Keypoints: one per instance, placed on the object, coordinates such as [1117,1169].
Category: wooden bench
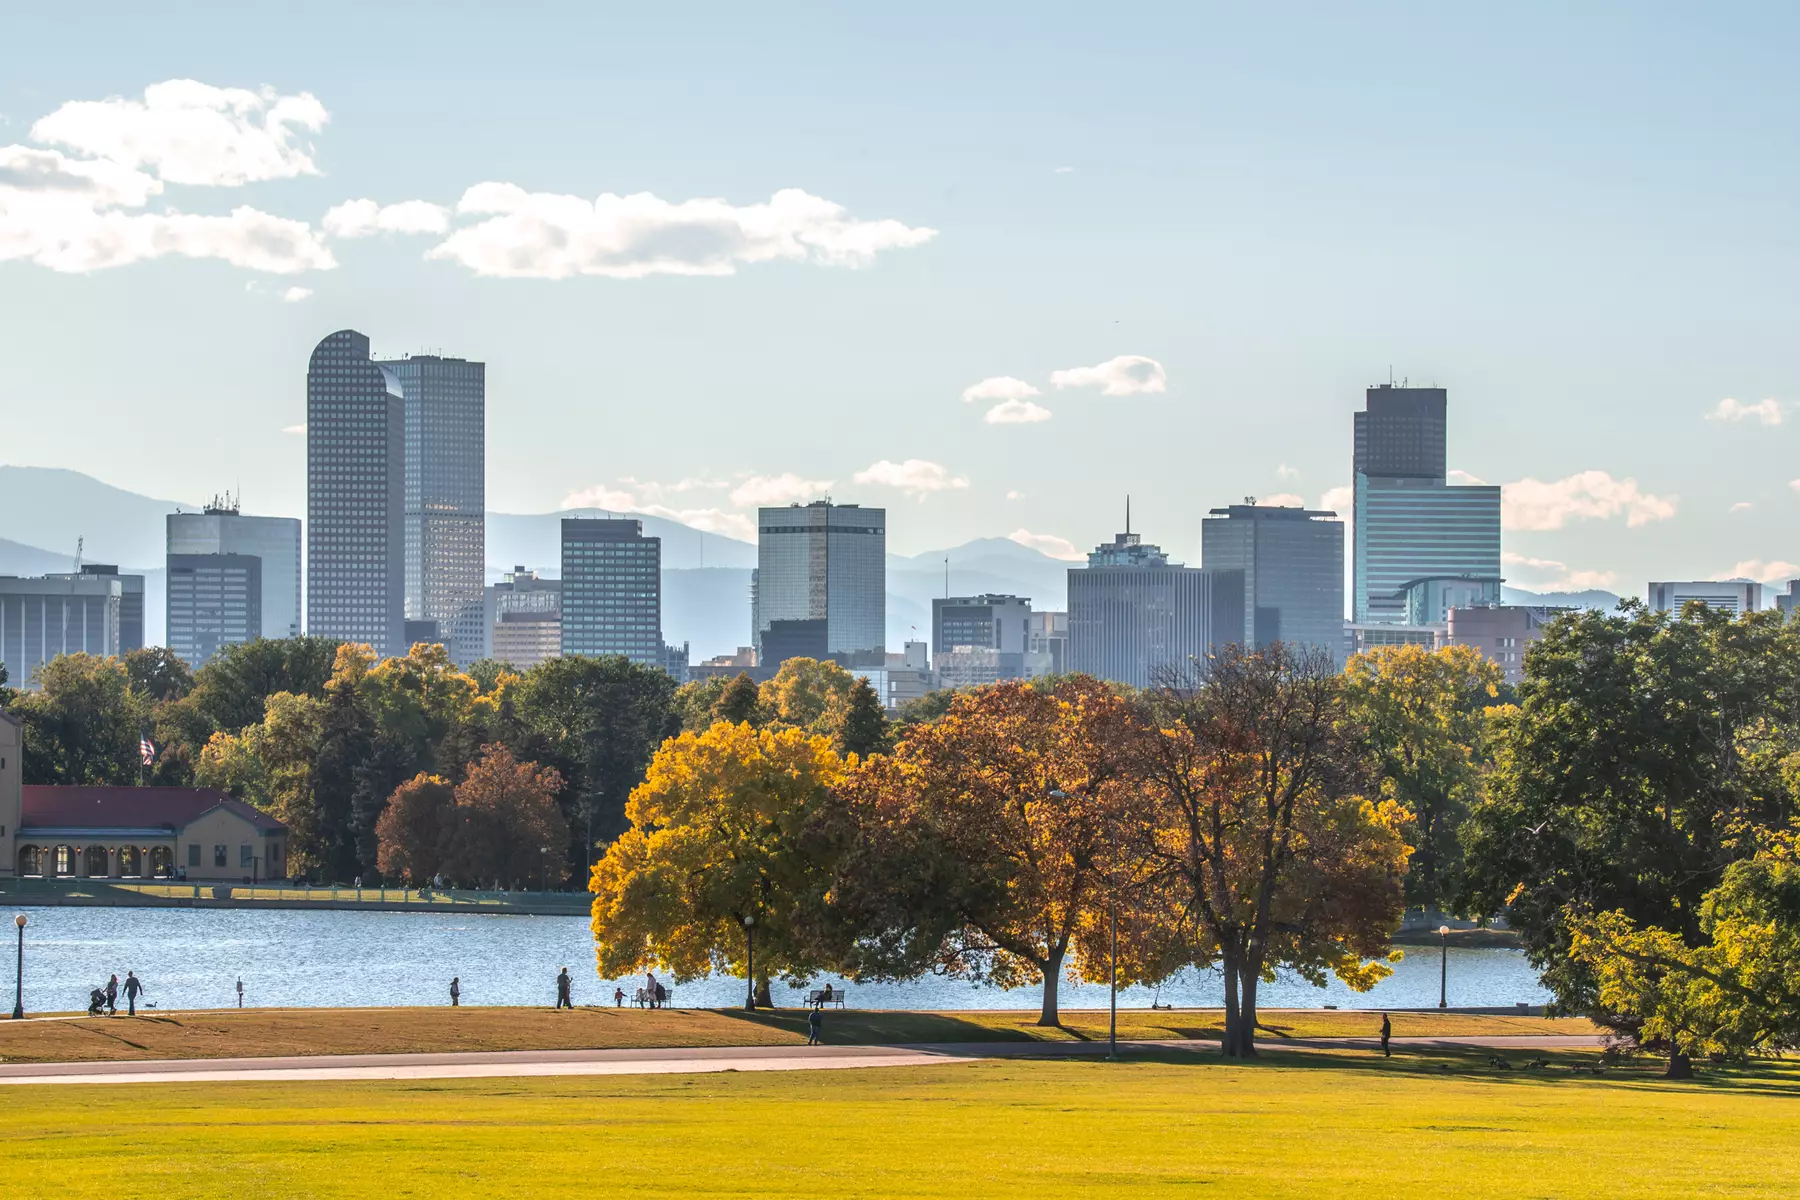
[825,995]
[643,998]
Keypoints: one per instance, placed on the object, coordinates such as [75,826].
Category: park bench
[824,996]
[644,998]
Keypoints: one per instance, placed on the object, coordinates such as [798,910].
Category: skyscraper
[1134,616]
[1293,565]
[611,590]
[131,604]
[214,601]
[821,571]
[273,541]
[57,614]
[524,619]
[980,639]
[446,496]
[1411,527]
[355,496]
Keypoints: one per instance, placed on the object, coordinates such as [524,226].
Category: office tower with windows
[355,497]
[1136,618]
[821,583]
[980,639]
[446,496]
[1293,565]
[220,529]
[1048,643]
[1411,526]
[56,614]
[214,601]
[524,619]
[131,603]
[611,590]
[1733,596]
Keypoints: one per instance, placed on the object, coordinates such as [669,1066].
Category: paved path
[516,1063]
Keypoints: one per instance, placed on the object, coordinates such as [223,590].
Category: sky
[993,266]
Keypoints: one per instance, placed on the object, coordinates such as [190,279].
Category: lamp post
[750,963]
[544,867]
[19,986]
[1112,983]
[1444,966]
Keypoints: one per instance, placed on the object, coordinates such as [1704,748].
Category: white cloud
[293,429]
[1062,170]
[1742,506]
[543,235]
[915,477]
[1016,412]
[1281,500]
[785,488]
[1549,575]
[190,132]
[1763,571]
[1340,500]
[294,295]
[1126,375]
[1463,478]
[1533,504]
[1015,495]
[707,520]
[1047,543]
[361,218]
[1283,471]
[600,496]
[999,387]
[1767,411]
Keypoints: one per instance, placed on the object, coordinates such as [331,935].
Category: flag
[147,751]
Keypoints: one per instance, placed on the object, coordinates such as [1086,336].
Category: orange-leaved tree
[991,836]
[507,825]
[1266,838]
[415,832]
[721,862]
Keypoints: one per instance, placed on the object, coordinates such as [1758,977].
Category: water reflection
[192,958]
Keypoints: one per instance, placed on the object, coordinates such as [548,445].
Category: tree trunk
[763,998]
[1680,1066]
[1050,1015]
[1229,966]
[1240,1008]
[1248,978]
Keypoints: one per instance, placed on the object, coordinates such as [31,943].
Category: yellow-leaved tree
[719,864]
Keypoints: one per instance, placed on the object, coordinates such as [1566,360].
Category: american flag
[147,751]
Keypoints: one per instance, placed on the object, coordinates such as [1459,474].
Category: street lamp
[19,987]
[544,867]
[750,963]
[1444,966]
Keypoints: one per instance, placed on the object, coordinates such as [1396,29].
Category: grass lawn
[1293,1125]
[258,1032]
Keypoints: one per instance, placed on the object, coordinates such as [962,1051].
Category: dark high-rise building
[131,604]
[214,600]
[824,562]
[1413,532]
[611,590]
[1293,565]
[1135,617]
[446,496]
[355,496]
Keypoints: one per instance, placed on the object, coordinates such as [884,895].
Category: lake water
[192,958]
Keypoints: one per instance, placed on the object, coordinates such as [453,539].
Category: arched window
[93,861]
[63,860]
[162,862]
[30,860]
[131,860]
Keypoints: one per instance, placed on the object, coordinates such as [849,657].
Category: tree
[809,694]
[864,730]
[507,825]
[925,709]
[327,843]
[987,837]
[83,724]
[1648,753]
[231,689]
[157,673]
[737,702]
[417,828]
[1737,993]
[720,835]
[1425,716]
[1264,835]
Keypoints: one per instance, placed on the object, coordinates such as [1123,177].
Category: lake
[192,958]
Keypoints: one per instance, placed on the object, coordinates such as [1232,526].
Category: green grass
[1291,1126]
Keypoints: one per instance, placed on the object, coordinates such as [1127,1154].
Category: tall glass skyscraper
[446,496]
[611,590]
[821,570]
[1293,565]
[355,496]
[1412,529]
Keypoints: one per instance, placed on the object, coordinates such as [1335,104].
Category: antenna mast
[79,542]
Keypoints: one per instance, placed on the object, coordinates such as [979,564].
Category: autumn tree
[719,852]
[507,824]
[737,701]
[988,835]
[1265,830]
[809,694]
[416,830]
[1425,715]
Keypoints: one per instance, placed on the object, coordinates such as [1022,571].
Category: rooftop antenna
[1128,512]
[946,576]
[78,545]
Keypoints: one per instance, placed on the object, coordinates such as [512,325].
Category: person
[662,995]
[1387,1031]
[815,1022]
[618,997]
[112,996]
[563,984]
[133,985]
[650,988]
[455,991]
[240,993]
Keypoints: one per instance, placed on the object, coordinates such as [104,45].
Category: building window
[193,854]
[218,856]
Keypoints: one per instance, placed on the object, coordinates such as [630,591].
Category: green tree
[865,728]
[83,724]
[925,709]
[158,674]
[738,701]
[1425,715]
[1648,753]
[231,689]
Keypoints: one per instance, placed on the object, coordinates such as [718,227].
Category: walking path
[516,1063]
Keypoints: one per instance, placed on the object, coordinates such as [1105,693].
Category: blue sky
[1578,218]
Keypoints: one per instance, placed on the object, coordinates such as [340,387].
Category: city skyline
[1472,245]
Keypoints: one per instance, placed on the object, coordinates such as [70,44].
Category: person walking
[1387,1031]
[455,991]
[112,996]
[618,997]
[563,984]
[650,988]
[815,1024]
[133,986]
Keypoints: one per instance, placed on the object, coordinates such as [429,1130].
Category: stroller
[96,1002]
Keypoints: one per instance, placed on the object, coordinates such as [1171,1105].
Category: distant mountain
[535,541]
[51,508]
[1592,598]
[19,559]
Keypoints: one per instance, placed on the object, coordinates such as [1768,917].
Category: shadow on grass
[853,1028]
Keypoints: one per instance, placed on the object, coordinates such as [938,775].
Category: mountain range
[45,512]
